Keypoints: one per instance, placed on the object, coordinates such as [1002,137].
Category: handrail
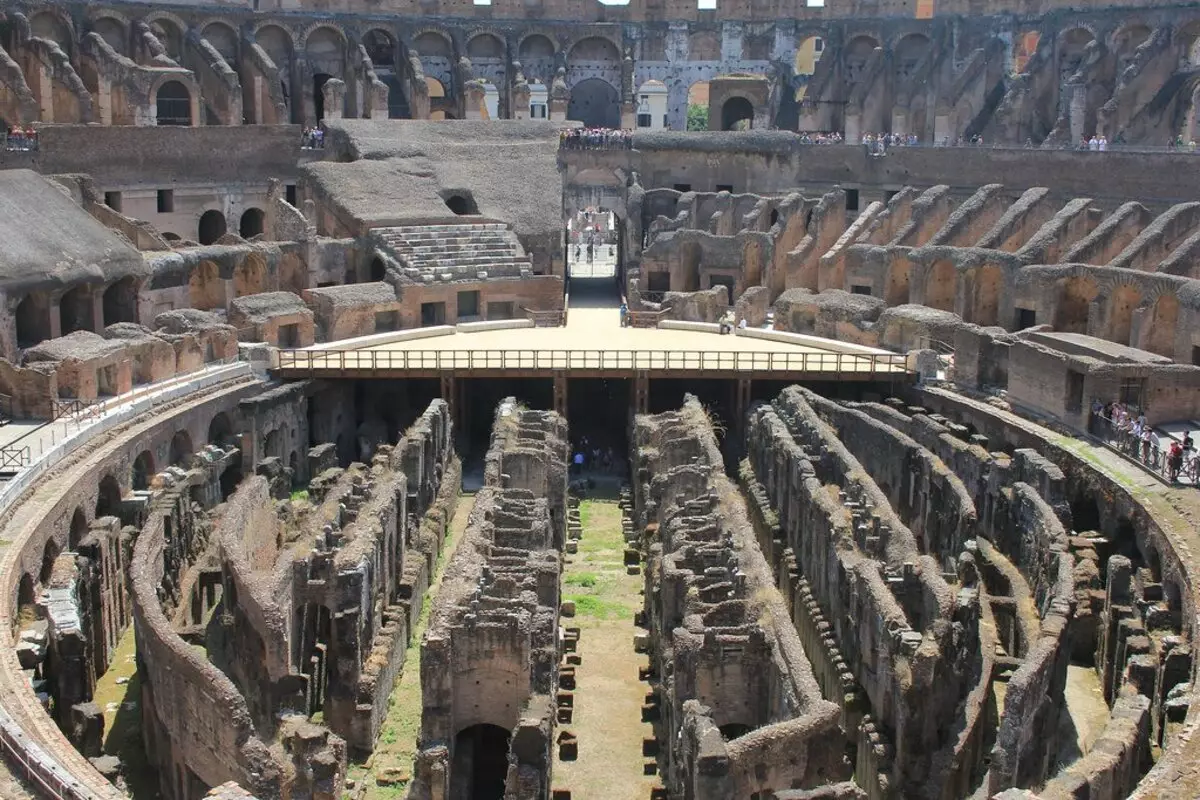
[610,360]
[78,410]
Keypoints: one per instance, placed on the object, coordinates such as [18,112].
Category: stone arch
[485,45]
[26,598]
[251,223]
[224,40]
[1074,304]
[50,554]
[1187,36]
[536,52]
[378,270]
[143,471]
[737,114]
[986,285]
[78,530]
[206,288]
[480,762]
[325,50]
[436,92]
[114,32]
[277,43]
[50,25]
[220,431]
[180,453]
[704,46]
[433,43]
[1072,44]
[120,301]
[1127,39]
[908,54]
[1025,44]
[809,47]
[273,444]
[856,54]
[250,276]
[941,284]
[1121,303]
[32,319]
[1160,327]
[381,47]
[76,310]
[592,49]
[595,103]
[108,498]
[172,104]
[211,227]
[168,29]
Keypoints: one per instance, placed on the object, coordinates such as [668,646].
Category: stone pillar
[641,392]
[56,316]
[98,321]
[473,100]
[560,96]
[560,392]
[334,92]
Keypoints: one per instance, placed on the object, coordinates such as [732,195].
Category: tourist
[726,322]
[1147,441]
[624,312]
[742,324]
[577,463]
[1174,461]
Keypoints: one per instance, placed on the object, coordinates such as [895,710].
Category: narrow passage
[606,717]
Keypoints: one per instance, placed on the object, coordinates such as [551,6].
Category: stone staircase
[445,253]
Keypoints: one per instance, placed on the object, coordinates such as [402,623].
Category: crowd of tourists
[589,457]
[821,137]
[313,138]
[595,139]
[1125,428]
[21,139]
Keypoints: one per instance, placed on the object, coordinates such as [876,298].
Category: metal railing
[602,360]
[546,319]
[1146,454]
[78,410]
[21,754]
[14,457]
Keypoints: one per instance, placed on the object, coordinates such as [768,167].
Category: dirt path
[608,695]
[392,760]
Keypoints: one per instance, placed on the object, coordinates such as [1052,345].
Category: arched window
[252,223]
[212,227]
[174,104]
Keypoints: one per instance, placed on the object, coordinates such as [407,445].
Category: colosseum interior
[364,436]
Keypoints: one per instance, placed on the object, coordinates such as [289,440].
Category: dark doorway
[143,471]
[212,227]
[33,321]
[319,81]
[737,114]
[75,311]
[181,449]
[251,224]
[108,498]
[173,105]
[480,763]
[433,314]
[120,302]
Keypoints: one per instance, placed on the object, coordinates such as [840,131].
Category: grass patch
[584,579]
[299,496]
[589,605]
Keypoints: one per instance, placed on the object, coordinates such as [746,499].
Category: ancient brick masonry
[742,709]
[489,660]
[269,612]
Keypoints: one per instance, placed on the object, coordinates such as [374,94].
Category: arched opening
[181,449]
[273,444]
[378,271]
[737,114]
[32,320]
[75,310]
[537,57]
[704,46]
[113,33]
[909,53]
[170,36]
[220,431]
[1163,321]
[1120,318]
[108,498]
[50,554]
[319,81]
[1074,305]
[940,287]
[734,730]
[857,53]
[224,40]
[251,224]
[463,205]
[206,287]
[381,48]
[143,471]
[595,103]
[212,226]
[26,600]
[79,529]
[230,479]
[985,301]
[697,106]
[480,762]
[431,44]
[437,93]
[47,25]
[483,47]
[120,302]
[1072,48]
[173,104]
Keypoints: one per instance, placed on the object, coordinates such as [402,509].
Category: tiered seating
[431,253]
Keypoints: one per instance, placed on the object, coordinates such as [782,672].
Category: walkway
[608,696]
[387,772]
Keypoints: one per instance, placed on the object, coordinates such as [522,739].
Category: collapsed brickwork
[292,611]
[489,659]
[742,709]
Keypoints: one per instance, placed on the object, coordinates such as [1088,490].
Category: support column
[741,403]
[560,393]
[450,395]
[641,392]
[98,321]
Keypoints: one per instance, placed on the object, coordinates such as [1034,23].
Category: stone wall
[742,708]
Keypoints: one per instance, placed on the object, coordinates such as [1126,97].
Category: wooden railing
[308,361]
